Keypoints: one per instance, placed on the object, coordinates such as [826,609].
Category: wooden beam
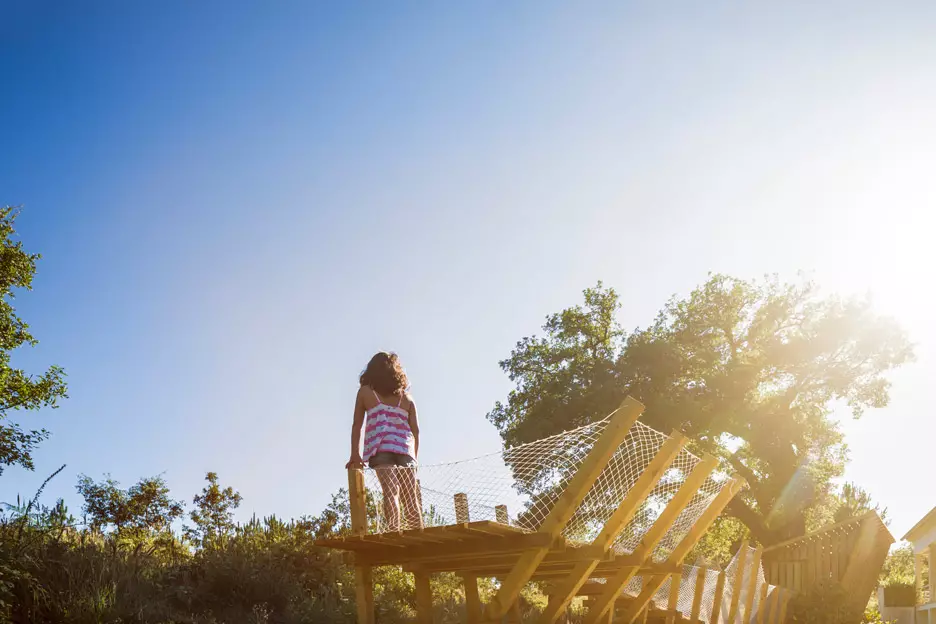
[473,605]
[752,584]
[423,598]
[363,575]
[697,595]
[783,607]
[737,581]
[762,603]
[564,508]
[691,538]
[673,603]
[717,600]
[655,534]
[635,497]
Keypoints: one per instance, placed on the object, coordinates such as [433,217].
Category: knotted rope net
[520,485]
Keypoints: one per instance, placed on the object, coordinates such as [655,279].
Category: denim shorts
[383,458]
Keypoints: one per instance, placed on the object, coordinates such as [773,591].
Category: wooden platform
[485,549]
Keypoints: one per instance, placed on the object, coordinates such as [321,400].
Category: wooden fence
[849,554]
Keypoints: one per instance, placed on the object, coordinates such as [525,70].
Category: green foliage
[822,605]
[20,391]
[213,514]
[145,511]
[750,370]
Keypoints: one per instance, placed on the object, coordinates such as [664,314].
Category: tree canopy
[751,370]
[19,391]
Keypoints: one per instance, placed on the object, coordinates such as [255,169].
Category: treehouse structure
[609,510]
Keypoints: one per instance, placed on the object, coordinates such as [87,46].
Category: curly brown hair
[385,375]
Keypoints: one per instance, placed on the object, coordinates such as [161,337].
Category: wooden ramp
[668,503]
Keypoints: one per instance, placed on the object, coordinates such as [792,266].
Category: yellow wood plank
[566,591]
[762,603]
[736,582]
[679,553]
[363,575]
[752,584]
[657,532]
[697,595]
[783,608]
[473,607]
[423,599]
[564,508]
[775,605]
[717,599]
[673,599]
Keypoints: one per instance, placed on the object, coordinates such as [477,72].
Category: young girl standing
[387,416]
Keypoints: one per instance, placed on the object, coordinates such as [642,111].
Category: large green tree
[751,370]
[213,516]
[19,391]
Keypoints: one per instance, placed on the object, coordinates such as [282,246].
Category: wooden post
[752,585]
[783,606]
[762,603]
[697,596]
[472,599]
[423,598]
[461,508]
[500,514]
[774,605]
[737,581]
[673,603]
[363,575]
[717,600]
[563,509]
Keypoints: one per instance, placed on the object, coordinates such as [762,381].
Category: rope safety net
[520,485]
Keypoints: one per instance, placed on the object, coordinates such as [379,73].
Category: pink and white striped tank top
[387,430]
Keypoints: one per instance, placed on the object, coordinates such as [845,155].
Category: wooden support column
[774,606]
[673,603]
[652,537]
[752,585]
[679,553]
[762,603]
[363,575]
[565,591]
[473,605]
[737,582]
[783,607]
[697,595]
[564,508]
[423,598]
[717,600]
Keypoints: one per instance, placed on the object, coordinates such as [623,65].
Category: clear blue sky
[238,203]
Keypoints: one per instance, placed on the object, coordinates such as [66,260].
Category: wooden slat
[657,532]
[673,598]
[752,584]
[679,553]
[564,508]
[635,497]
[697,595]
[717,600]
[737,581]
[762,603]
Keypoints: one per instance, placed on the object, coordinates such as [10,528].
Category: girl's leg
[411,497]
[390,485]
